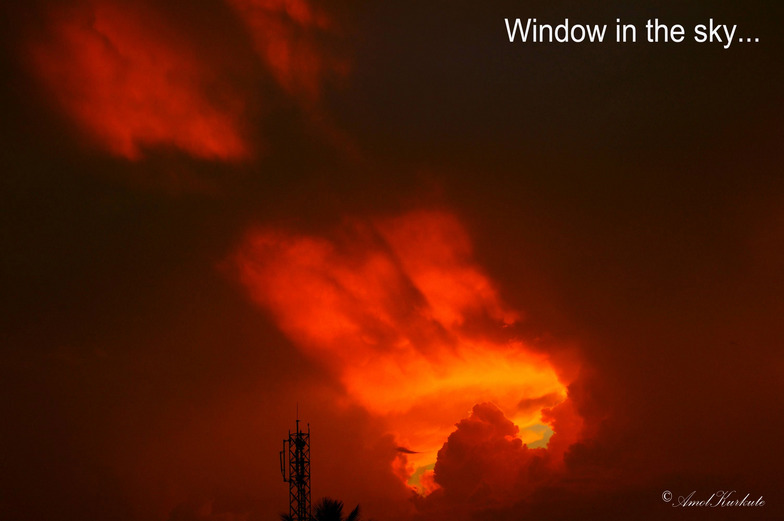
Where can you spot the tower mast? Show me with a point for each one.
(295, 469)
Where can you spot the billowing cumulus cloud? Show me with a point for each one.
(411, 326)
(484, 459)
(484, 465)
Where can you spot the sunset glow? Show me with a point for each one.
(489, 280)
(410, 324)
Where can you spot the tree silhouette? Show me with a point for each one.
(329, 509)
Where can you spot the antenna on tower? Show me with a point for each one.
(296, 452)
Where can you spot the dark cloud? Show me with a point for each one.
(483, 460)
(548, 400)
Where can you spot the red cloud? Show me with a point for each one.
(289, 37)
(133, 79)
(131, 82)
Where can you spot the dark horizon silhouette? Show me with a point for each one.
(328, 509)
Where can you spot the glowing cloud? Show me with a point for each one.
(408, 322)
(130, 82)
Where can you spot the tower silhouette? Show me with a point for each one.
(296, 452)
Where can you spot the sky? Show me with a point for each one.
(499, 280)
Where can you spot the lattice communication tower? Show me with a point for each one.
(296, 452)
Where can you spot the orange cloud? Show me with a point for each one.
(131, 83)
(408, 322)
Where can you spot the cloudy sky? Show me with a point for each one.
(499, 280)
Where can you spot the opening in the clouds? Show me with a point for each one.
(416, 333)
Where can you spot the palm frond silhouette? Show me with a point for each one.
(329, 509)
